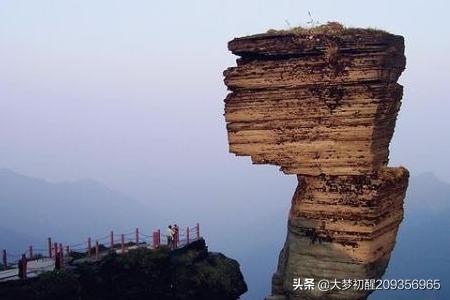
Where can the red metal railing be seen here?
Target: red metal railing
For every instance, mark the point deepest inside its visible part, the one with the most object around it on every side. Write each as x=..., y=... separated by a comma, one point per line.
x=128, y=240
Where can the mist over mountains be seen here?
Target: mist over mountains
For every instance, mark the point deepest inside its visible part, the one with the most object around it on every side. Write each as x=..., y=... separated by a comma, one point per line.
x=422, y=250
x=32, y=209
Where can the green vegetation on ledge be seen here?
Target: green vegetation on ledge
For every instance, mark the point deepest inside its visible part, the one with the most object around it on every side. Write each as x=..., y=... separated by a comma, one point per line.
x=330, y=28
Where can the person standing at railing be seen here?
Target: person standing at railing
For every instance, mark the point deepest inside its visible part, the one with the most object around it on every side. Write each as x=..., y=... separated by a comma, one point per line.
x=170, y=235
x=176, y=235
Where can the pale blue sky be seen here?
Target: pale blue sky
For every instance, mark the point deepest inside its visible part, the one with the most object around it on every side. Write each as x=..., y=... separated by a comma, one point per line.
x=130, y=93
x=113, y=89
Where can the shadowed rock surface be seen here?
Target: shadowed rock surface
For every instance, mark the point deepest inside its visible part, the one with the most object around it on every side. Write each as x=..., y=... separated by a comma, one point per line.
x=322, y=103
x=315, y=103
x=187, y=273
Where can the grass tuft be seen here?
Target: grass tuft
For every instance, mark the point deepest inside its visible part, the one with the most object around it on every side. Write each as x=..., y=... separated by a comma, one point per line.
x=330, y=28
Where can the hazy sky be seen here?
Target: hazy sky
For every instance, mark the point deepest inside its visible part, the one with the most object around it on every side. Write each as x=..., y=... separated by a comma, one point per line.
x=130, y=92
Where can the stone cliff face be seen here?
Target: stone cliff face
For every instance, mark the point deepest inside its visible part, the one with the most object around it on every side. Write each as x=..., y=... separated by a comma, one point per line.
x=188, y=273
x=322, y=103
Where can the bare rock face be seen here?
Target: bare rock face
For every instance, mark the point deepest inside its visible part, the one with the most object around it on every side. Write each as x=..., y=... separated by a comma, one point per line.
x=341, y=227
x=315, y=103
x=322, y=103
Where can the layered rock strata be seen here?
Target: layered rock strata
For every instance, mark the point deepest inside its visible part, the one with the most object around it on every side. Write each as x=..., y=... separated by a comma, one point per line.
x=341, y=227
x=322, y=103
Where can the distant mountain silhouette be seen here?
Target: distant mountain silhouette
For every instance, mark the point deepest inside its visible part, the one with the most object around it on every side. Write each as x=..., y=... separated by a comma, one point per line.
x=423, y=243
x=422, y=250
x=427, y=192
x=14, y=241
x=32, y=208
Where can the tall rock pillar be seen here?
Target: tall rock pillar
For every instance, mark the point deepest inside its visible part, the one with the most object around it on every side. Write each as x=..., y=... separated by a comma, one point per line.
x=322, y=104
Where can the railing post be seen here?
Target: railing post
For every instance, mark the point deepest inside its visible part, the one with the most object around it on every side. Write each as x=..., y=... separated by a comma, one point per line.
x=23, y=267
x=122, y=243
x=24, y=262
x=96, y=250
x=111, y=238
x=55, y=249
x=89, y=246
x=198, y=231
x=5, y=260
x=30, y=251
x=137, y=236
x=57, y=261
x=50, y=247
x=61, y=255
x=187, y=235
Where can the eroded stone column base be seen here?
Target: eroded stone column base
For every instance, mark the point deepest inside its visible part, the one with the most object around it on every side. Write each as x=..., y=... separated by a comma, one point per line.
x=340, y=228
